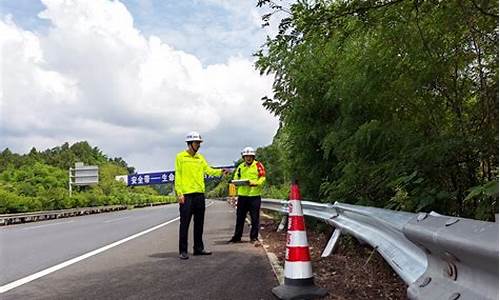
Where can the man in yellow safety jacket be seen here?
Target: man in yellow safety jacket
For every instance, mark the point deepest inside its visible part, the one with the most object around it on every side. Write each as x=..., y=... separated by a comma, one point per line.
x=248, y=195
x=190, y=170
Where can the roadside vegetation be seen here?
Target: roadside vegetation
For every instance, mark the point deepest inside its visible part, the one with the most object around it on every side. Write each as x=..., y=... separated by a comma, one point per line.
x=386, y=103
x=383, y=103
x=39, y=180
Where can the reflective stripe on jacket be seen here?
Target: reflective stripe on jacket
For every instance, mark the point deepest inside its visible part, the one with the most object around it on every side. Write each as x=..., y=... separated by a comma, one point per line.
x=190, y=173
x=256, y=173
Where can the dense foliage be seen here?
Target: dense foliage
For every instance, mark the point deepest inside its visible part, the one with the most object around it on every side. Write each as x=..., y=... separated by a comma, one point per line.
x=39, y=180
x=387, y=103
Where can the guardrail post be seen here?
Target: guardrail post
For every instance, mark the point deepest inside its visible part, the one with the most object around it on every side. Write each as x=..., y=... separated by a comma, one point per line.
x=282, y=224
x=332, y=242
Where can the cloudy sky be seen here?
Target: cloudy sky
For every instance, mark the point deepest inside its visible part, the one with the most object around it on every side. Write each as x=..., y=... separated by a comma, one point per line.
x=133, y=77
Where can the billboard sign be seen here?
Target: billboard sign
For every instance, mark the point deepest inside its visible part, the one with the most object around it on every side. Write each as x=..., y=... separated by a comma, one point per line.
x=84, y=175
x=164, y=177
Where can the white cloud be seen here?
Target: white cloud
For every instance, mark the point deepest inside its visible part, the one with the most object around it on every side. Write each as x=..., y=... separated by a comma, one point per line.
x=95, y=77
x=211, y=29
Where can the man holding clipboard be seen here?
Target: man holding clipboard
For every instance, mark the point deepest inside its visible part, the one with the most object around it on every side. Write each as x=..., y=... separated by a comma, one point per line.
x=249, y=177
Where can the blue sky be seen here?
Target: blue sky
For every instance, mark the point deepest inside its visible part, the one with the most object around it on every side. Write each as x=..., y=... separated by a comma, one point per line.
x=188, y=25
x=200, y=22
x=132, y=77
x=25, y=13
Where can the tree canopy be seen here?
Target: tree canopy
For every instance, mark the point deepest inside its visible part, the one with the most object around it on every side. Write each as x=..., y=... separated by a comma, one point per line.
x=39, y=180
x=388, y=103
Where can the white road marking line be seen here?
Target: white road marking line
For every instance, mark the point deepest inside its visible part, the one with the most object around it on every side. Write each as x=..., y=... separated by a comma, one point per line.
x=19, y=282
x=45, y=225
x=113, y=220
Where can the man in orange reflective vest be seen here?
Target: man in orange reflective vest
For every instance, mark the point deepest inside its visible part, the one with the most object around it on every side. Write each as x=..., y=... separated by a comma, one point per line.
x=248, y=195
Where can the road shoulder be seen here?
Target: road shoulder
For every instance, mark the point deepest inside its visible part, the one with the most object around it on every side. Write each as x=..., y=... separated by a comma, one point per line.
x=148, y=268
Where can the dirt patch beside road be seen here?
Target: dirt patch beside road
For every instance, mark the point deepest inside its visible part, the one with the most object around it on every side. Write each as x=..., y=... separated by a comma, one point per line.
x=353, y=271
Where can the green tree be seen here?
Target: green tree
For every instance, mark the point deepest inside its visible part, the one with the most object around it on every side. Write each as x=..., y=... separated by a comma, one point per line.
x=39, y=180
x=388, y=103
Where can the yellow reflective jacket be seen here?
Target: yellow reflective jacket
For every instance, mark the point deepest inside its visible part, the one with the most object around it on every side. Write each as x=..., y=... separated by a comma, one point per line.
x=190, y=173
x=256, y=173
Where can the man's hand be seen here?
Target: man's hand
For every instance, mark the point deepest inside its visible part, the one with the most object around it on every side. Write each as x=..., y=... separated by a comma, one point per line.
x=180, y=198
x=252, y=183
x=225, y=172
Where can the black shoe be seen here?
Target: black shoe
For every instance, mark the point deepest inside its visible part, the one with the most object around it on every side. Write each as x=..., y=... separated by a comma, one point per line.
x=183, y=255
x=254, y=240
x=202, y=252
x=234, y=240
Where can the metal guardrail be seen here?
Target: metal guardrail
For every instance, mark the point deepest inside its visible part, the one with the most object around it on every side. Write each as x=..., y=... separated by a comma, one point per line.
x=439, y=257
x=7, y=219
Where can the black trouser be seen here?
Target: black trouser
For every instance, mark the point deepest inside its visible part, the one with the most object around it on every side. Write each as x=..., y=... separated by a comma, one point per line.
x=247, y=204
x=194, y=204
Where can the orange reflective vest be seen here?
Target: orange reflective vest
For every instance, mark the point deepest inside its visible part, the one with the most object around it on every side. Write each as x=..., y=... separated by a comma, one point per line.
x=255, y=173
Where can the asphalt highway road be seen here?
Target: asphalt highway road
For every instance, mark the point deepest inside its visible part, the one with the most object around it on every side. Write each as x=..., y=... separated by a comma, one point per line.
x=112, y=256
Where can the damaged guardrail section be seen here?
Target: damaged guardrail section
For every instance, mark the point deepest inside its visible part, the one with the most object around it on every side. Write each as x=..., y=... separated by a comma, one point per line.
x=439, y=257
x=462, y=257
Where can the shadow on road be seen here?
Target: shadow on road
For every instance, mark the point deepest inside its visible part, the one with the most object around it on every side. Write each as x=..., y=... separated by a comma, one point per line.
x=165, y=255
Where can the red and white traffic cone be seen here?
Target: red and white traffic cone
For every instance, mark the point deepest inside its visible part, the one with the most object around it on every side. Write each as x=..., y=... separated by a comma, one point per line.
x=299, y=280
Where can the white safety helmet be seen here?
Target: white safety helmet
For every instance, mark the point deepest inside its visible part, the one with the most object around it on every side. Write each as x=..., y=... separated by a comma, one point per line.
x=193, y=136
x=248, y=151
